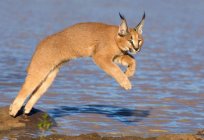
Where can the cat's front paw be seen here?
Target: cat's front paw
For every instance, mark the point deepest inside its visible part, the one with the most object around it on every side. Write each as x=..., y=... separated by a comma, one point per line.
x=126, y=84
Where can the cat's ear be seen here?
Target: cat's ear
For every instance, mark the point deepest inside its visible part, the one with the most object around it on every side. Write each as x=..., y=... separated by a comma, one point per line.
x=139, y=27
x=123, y=27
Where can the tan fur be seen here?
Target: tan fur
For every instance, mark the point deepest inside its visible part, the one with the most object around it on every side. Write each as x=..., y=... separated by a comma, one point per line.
x=106, y=44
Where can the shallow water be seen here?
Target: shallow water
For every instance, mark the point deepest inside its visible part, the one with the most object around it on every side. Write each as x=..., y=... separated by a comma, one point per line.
x=167, y=94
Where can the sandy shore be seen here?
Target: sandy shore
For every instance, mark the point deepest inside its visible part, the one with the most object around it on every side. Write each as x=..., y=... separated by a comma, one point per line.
x=95, y=136
x=33, y=121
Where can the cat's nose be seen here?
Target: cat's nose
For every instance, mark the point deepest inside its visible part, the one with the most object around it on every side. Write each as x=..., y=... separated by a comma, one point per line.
x=137, y=49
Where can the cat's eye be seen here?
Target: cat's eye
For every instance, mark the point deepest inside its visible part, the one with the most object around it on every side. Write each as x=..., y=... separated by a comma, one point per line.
x=131, y=40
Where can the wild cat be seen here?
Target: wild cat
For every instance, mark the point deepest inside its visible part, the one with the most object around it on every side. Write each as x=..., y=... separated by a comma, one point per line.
x=108, y=45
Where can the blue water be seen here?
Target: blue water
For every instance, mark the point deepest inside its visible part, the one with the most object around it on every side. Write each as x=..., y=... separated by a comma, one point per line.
x=167, y=94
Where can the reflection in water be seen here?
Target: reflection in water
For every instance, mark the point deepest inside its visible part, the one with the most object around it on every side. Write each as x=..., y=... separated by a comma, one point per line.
x=170, y=71
x=124, y=115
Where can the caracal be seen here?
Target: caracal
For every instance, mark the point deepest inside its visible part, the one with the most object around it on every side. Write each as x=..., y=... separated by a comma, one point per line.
x=108, y=45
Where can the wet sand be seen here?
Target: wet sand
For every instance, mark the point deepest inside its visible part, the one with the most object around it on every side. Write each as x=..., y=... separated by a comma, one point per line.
x=16, y=127
x=95, y=136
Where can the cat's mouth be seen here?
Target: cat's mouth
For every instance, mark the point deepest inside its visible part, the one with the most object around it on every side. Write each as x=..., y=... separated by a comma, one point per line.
x=134, y=50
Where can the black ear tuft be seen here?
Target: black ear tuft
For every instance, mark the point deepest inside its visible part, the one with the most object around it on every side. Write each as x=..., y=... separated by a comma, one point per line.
x=121, y=16
x=143, y=18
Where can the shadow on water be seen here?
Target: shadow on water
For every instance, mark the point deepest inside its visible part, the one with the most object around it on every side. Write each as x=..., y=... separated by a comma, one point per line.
x=124, y=115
